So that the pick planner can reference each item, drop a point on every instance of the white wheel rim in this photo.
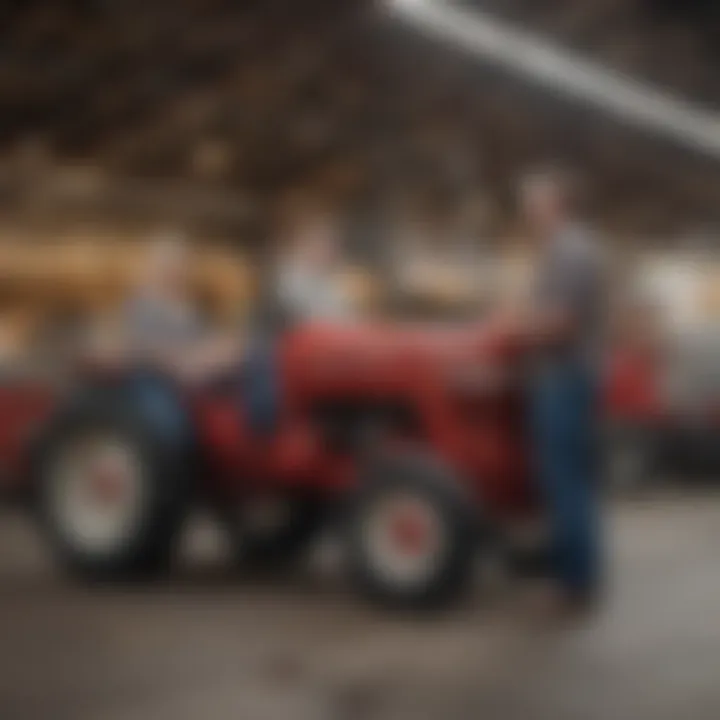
(404, 540)
(96, 493)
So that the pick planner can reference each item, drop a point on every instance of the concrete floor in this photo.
(209, 645)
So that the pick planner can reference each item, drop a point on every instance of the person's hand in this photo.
(511, 320)
(206, 359)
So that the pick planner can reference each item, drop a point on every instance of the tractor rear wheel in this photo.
(111, 493)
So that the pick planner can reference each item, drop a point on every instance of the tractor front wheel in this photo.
(410, 534)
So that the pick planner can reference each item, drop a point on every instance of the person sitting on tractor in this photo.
(298, 285)
(161, 326)
(306, 278)
(161, 319)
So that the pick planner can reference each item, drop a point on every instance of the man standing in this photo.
(565, 324)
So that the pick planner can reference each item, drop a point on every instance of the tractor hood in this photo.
(392, 353)
(482, 339)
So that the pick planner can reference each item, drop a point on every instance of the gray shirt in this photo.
(154, 325)
(570, 278)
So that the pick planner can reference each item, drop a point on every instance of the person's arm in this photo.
(549, 325)
(211, 356)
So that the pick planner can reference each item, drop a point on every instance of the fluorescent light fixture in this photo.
(544, 63)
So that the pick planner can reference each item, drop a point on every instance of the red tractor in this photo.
(410, 439)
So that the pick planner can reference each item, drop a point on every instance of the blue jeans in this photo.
(564, 429)
(159, 401)
(260, 388)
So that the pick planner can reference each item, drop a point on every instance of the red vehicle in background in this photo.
(411, 439)
(662, 403)
(635, 415)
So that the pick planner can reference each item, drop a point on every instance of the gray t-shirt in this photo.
(157, 326)
(570, 277)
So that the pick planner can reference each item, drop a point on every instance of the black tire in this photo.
(145, 547)
(275, 547)
(437, 490)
